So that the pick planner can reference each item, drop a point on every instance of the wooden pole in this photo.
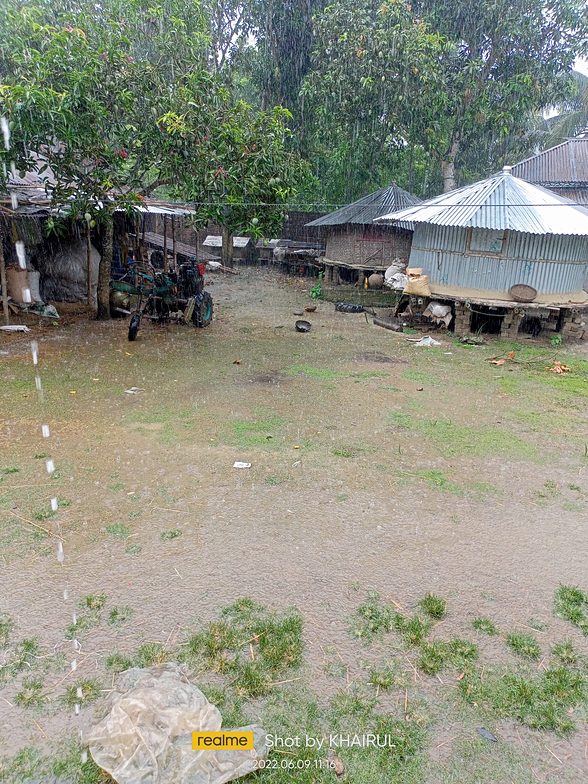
(89, 265)
(143, 249)
(3, 280)
(173, 225)
(165, 243)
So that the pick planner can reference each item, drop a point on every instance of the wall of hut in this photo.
(487, 263)
(367, 246)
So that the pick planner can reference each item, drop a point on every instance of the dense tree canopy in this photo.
(183, 95)
(122, 102)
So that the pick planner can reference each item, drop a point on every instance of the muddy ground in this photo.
(376, 466)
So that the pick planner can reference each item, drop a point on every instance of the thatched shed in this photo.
(355, 245)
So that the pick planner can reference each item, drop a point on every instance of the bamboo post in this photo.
(143, 248)
(173, 227)
(3, 280)
(89, 265)
(165, 243)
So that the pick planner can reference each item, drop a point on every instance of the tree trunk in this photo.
(227, 249)
(105, 268)
(448, 165)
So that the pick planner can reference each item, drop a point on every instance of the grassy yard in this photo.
(405, 556)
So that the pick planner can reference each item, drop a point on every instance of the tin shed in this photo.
(475, 243)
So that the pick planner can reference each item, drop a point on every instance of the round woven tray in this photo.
(522, 293)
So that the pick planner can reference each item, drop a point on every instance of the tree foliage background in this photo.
(245, 106)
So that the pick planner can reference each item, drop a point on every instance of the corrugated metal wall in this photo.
(549, 263)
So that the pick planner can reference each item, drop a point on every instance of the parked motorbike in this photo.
(145, 292)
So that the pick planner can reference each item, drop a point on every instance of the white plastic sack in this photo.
(438, 313)
(147, 736)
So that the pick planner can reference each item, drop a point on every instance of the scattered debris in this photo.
(134, 391)
(502, 360)
(438, 313)
(336, 764)
(487, 735)
(298, 312)
(349, 307)
(392, 324)
(239, 464)
(236, 362)
(303, 326)
(559, 368)
(427, 340)
(15, 328)
(310, 308)
(143, 737)
(472, 340)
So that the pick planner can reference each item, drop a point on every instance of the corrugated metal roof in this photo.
(565, 164)
(370, 207)
(500, 202)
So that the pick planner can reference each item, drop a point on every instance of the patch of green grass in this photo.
(323, 374)
(120, 530)
(372, 618)
(255, 432)
(167, 536)
(433, 658)
(365, 375)
(385, 678)
(6, 627)
(71, 766)
(347, 451)
(93, 601)
(549, 491)
(565, 652)
(40, 455)
(120, 615)
(117, 662)
(523, 645)
(542, 703)
(44, 514)
(31, 694)
(133, 549)
(151, 653)
(412, 630)
(83, 624)
(273, 480)
(82, 692)
(9, 470)
(420, 377)
(251, 645)
(433, 605)
(23, 657)
(24, 766)
(485, 626)
(459, 439)
(436, 655)
(440, 481)
(571, 603)
(536, 623)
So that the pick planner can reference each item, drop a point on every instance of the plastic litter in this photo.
(425, 341)
(133, 391)
(438, 313)
(146, 738)
(487, 735)
(239, 464)
(15, 328)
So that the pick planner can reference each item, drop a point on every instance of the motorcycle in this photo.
(145, 292)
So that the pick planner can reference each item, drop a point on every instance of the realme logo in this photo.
(222, 740)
